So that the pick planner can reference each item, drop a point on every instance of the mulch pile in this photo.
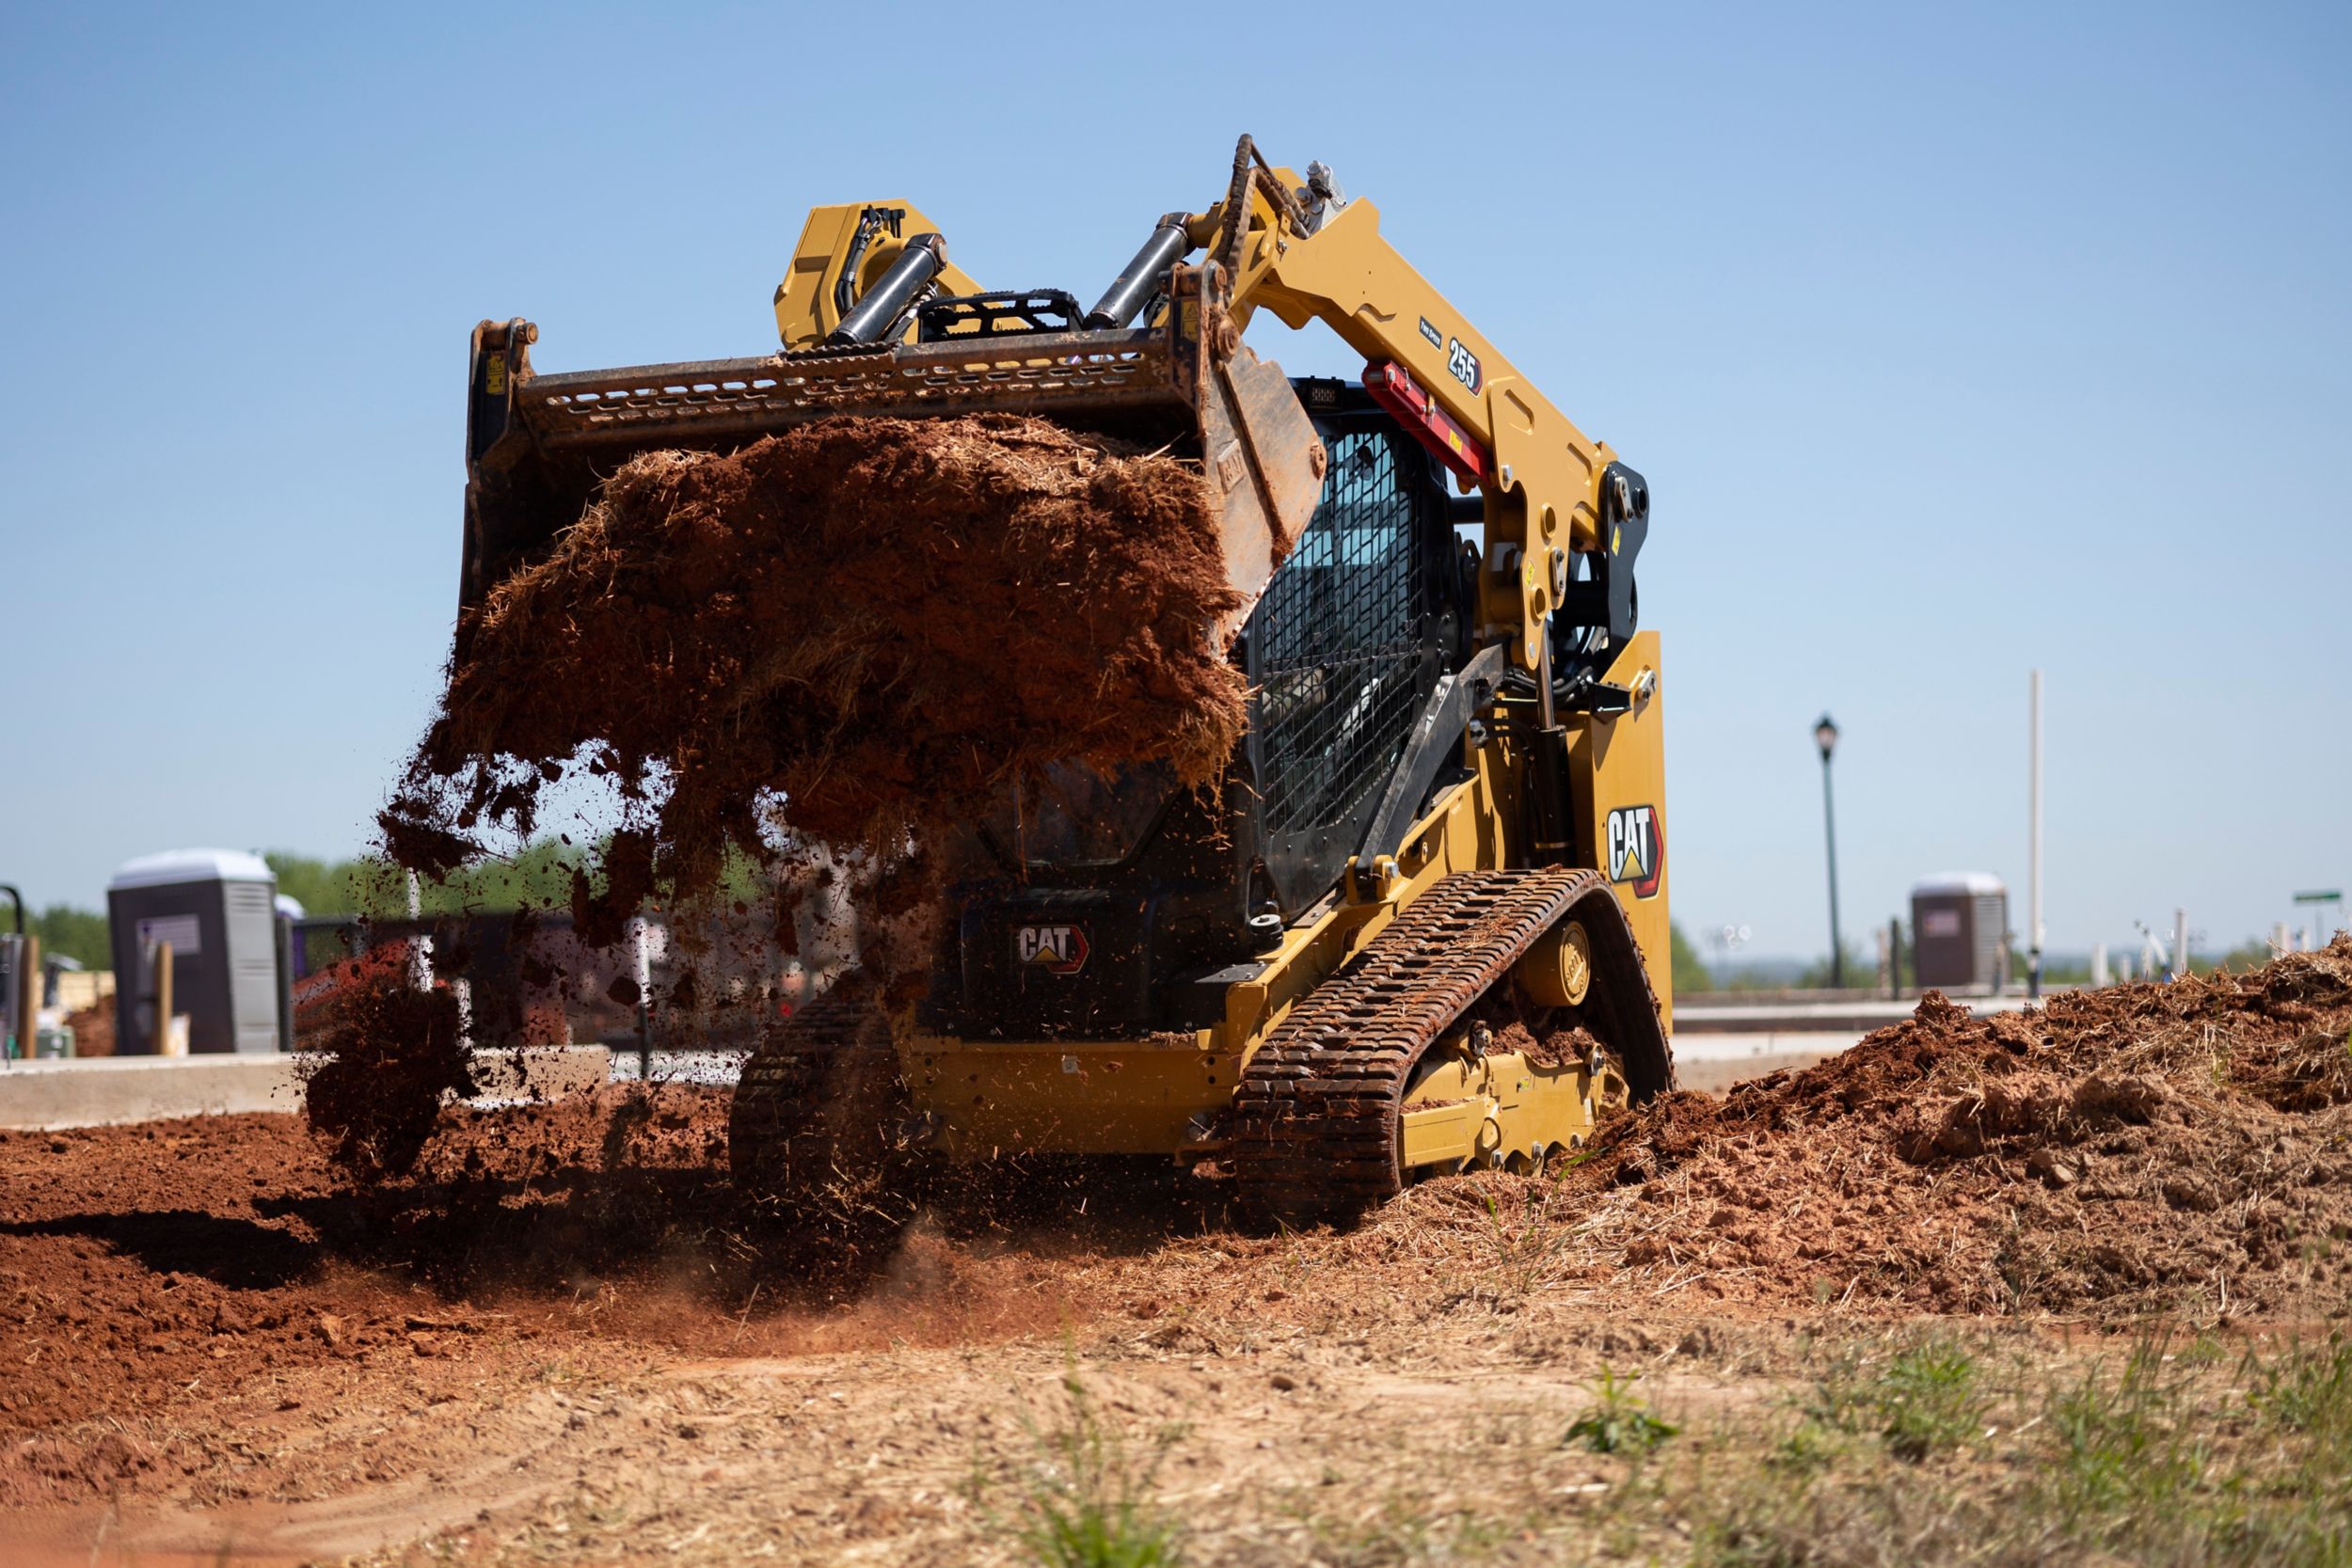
(2183, 1147)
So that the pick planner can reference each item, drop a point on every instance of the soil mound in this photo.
(863, 624)
(2139, 1146)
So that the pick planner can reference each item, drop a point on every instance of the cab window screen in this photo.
(1339, 639)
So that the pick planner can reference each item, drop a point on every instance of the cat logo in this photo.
(1637, 849)
(1055, 949)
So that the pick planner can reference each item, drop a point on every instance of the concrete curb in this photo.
(45, 1096)
(41, 1097)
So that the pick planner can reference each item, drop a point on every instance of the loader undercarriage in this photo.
(1323, 1131)
(1432, 1051)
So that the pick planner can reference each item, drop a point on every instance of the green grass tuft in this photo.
(1620, 1421)
(1085, 1500)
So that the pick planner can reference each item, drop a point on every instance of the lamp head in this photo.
(1825, 736)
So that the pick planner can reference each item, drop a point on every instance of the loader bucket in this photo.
(539, 446)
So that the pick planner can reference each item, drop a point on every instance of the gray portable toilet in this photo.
(1960, 931)
(214, 906)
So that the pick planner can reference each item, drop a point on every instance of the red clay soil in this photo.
(883, 622)
(148, 1271)
(2176, 1150)
(2186, 1147)
(93, 1030)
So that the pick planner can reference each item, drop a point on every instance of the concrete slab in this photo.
(1718, 1012)
(1712, 1062)
(45, 1096)
(1718, 1076)
(539, 1073)
(1707, 1045)
(110, 1090)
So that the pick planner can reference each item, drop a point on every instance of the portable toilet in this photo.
(215, 909)
(1960, 931)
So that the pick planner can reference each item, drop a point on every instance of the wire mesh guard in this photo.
(1339, 634)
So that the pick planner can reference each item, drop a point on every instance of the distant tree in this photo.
(371, 885)
(539, 875)
(2071, 971)
(319, 887)
(1862, 972)
(1690, 971)
(2248, 954)
(76, 934)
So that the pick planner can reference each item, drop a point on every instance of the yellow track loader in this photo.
(1421, 928)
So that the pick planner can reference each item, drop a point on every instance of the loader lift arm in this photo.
(1550, 492)
(1553, 497)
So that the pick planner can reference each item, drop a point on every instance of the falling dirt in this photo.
(870, 626)
(390, 1055)
(828, 651)
(2180, 1148)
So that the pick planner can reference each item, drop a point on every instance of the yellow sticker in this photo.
(1616, 540)
(495, 383)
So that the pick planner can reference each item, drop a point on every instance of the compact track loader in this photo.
(1420, 928)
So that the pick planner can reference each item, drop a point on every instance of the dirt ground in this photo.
(550, 1342)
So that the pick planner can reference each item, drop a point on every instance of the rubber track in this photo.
(1316, 1125)
(776, 1096)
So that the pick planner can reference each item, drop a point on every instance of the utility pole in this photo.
(2033, 930)
(1825, 736)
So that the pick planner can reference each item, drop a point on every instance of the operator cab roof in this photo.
(1974, 882)
(192, 865)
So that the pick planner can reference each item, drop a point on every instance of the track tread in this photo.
(1316, 1125)
(804, 1139)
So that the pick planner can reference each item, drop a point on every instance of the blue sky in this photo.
(1953, 341)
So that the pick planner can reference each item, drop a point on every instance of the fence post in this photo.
(162, 999)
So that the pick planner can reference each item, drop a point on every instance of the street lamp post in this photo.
(1825, 736)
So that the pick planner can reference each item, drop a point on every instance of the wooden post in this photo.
(28, 1032)
(162, 999)
(24, 1007)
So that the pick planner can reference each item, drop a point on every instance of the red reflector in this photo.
(1395, 390)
